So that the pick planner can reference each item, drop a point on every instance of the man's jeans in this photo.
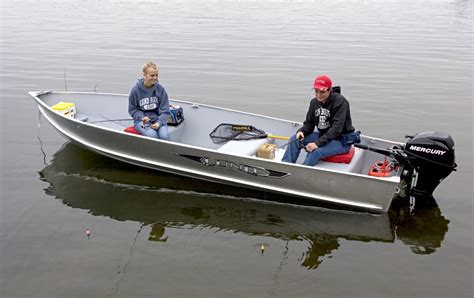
(161, 133)
(292, 152)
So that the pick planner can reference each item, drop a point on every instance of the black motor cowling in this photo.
(430, 159)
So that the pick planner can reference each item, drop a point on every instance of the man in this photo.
(329, 112)
(148, 104)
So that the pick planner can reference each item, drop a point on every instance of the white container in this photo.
(67, 109)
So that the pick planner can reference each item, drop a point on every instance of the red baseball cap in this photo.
(322, 82)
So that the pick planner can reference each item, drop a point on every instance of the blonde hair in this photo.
(148, 65)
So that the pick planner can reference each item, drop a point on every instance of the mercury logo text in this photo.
(427, 150)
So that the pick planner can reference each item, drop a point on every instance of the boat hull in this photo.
(326, 186)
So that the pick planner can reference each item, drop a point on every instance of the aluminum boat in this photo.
(377, 170)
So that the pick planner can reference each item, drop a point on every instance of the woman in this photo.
(148, 104)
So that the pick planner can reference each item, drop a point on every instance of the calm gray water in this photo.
(406, 66)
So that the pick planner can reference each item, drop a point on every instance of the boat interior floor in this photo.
(360, 162)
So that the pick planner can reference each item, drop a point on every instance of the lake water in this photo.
(405, 66)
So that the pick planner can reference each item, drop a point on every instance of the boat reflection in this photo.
(422, 228)
(105, 187)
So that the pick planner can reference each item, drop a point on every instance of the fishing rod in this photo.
(112, 120)
(286, 144)
(299, 145)
(118, 120)
(65, 79)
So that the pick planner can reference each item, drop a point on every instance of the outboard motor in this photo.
(426, 159)
(429, 159)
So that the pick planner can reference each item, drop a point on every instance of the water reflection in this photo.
(422, 228)
(81, 179)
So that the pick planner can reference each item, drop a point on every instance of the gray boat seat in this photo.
(244, 147)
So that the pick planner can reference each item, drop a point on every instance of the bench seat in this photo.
(341, 158)
(336, 163)
(244, 147)
(131, 129)
(174, 131)
(353, 166)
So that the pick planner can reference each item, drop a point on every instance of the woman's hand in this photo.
(155, 125)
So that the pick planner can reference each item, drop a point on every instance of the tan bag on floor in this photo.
(266, 151)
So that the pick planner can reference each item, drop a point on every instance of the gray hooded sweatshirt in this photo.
(152, 102)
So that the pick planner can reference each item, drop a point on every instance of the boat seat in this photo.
(341, 158)
(354, 166)
(174, 131)
(244, 147)
(131, 129)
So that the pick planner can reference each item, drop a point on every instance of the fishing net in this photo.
(225, 132)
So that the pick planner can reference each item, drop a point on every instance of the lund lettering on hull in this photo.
(231, 165)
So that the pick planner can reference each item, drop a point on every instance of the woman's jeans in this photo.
(292, 152)
(146, 130)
